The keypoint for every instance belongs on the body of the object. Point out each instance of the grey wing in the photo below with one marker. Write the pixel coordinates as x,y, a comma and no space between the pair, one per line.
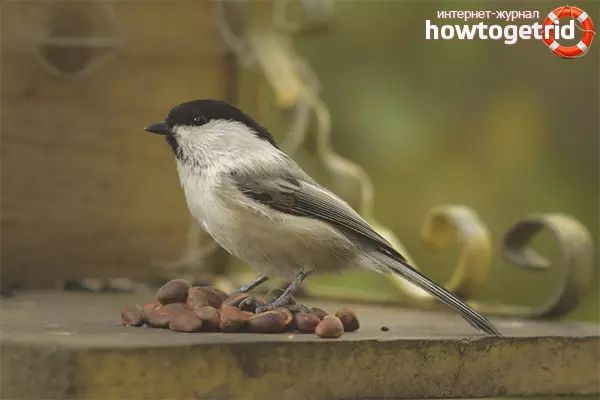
291,195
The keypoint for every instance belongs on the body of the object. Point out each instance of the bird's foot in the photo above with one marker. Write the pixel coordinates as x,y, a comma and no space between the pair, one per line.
276,298
294,308
252,303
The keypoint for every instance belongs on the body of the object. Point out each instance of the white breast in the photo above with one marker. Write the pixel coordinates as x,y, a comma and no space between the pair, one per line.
198,186
209,153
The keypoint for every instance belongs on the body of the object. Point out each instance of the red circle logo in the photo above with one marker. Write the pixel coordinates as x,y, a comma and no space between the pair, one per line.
587,27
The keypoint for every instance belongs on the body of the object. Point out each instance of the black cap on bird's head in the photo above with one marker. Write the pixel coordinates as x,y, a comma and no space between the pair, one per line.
200,112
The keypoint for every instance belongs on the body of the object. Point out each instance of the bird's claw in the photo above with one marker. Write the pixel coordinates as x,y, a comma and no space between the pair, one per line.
299,308
294,308
251,303
262,309
272,300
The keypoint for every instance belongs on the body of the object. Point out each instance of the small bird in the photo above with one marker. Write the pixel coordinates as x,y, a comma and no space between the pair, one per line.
260,206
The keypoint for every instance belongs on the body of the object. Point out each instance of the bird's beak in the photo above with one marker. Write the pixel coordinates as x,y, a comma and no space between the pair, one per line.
160,128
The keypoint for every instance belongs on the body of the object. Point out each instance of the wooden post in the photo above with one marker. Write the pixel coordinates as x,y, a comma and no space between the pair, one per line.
85,191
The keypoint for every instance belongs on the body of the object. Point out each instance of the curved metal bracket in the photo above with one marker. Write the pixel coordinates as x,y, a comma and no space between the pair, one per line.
455,224
575,262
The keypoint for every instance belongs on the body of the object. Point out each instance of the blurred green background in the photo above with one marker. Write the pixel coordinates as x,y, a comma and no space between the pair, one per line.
505,129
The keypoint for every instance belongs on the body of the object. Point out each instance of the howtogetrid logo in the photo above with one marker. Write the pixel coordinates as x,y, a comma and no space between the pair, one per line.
550,32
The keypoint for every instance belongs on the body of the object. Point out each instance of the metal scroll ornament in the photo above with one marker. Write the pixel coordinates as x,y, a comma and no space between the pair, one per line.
575,261
266,45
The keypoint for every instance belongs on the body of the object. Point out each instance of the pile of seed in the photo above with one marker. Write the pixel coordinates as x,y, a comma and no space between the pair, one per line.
181,307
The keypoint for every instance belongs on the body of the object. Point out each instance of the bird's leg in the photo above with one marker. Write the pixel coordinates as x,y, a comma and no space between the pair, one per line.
249,286
285,296
251,302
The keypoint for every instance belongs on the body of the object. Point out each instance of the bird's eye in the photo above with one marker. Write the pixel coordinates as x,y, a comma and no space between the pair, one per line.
199,120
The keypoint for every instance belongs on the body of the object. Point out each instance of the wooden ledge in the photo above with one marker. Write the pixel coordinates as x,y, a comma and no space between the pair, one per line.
70,345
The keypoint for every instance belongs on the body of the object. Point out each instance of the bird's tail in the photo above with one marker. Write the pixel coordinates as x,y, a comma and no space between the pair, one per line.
401,267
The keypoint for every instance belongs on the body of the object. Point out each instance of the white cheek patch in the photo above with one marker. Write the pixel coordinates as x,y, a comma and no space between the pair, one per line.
185,132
